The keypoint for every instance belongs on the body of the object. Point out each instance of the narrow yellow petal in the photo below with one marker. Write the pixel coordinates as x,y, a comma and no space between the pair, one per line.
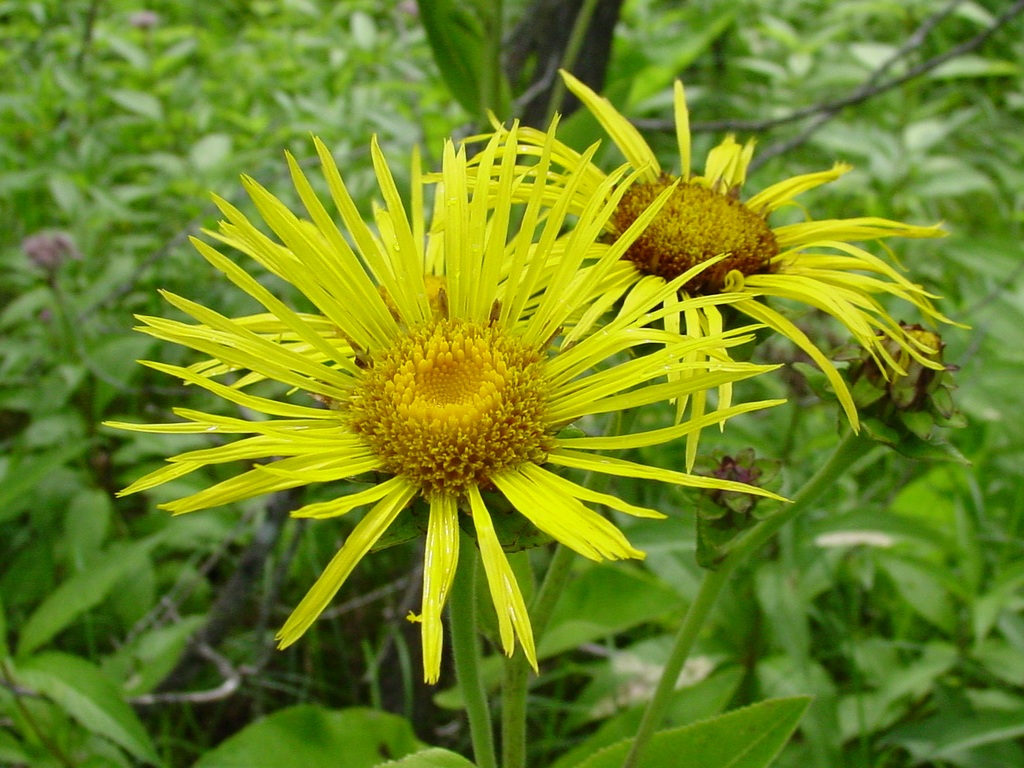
610,465
682,114
359,542
782,192
513,619
626,137
562,516
345,504
440,556
781,325
260,404
665,434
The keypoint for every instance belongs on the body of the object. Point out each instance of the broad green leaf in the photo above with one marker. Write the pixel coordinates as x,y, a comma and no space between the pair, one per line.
81,592
986,608
745,738
464,38
1002,659
85,525
364,31
602,601
314,737
688,705
974,66
431,758
138,102
923,589
89,697
4,650
654,79
148,660
210,151
948,735
19,481
11,751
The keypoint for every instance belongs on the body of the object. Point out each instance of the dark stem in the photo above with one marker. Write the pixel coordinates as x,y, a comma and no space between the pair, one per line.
226,611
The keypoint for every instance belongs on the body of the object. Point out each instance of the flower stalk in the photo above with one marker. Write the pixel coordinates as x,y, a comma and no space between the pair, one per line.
845,455
466,652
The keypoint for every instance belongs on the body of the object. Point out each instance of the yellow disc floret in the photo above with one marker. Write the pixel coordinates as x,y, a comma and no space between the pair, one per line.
696,224
452,403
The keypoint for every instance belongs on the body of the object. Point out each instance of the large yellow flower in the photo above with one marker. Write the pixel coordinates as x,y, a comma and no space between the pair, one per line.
815,262
436,379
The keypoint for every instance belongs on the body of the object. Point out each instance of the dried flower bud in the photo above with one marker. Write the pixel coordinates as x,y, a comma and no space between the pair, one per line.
913,402
50,249
144,20
730,512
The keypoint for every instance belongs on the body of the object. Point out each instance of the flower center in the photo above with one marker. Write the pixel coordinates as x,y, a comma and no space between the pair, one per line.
696,224
452,403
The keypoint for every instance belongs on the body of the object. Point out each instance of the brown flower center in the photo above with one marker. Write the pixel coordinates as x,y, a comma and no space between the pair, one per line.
696,224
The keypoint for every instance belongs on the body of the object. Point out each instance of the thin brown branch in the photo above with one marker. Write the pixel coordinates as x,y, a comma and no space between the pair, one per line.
226,611
871,87
231,681
868,90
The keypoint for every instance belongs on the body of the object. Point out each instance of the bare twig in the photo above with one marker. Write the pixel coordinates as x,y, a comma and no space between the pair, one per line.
225,611
872,86
232,680
87,33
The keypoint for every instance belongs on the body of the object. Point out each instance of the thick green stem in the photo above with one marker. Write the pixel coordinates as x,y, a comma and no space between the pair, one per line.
517,668
848,450
466,650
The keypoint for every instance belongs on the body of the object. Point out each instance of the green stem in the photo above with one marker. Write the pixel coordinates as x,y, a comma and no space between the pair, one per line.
490,84
848,450
517,668
466,650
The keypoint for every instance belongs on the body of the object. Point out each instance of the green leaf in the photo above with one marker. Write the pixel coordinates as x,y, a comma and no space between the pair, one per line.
210,151
364,31
688,705
744,738
464,38
656,78
974,66
947,736
922,588
85,525
314,737
89,697
4,650
432,758
81,592
11,750
138,102
21,479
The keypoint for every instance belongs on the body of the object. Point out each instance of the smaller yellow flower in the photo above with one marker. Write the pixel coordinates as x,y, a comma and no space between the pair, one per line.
730,247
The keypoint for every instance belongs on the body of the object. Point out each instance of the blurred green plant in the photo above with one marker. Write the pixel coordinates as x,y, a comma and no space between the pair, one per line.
895,602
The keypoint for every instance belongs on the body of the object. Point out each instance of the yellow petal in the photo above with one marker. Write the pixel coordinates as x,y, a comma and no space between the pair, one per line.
610,465
682,129
626,137
359,542
440,556
513,619
562,516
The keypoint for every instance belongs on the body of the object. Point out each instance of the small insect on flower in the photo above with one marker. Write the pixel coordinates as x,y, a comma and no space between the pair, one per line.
437,353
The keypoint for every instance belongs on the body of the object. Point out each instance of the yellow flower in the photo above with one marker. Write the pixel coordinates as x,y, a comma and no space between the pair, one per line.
435,376
815,262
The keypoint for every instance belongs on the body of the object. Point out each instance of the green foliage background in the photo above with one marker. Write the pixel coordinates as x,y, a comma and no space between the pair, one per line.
908,631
